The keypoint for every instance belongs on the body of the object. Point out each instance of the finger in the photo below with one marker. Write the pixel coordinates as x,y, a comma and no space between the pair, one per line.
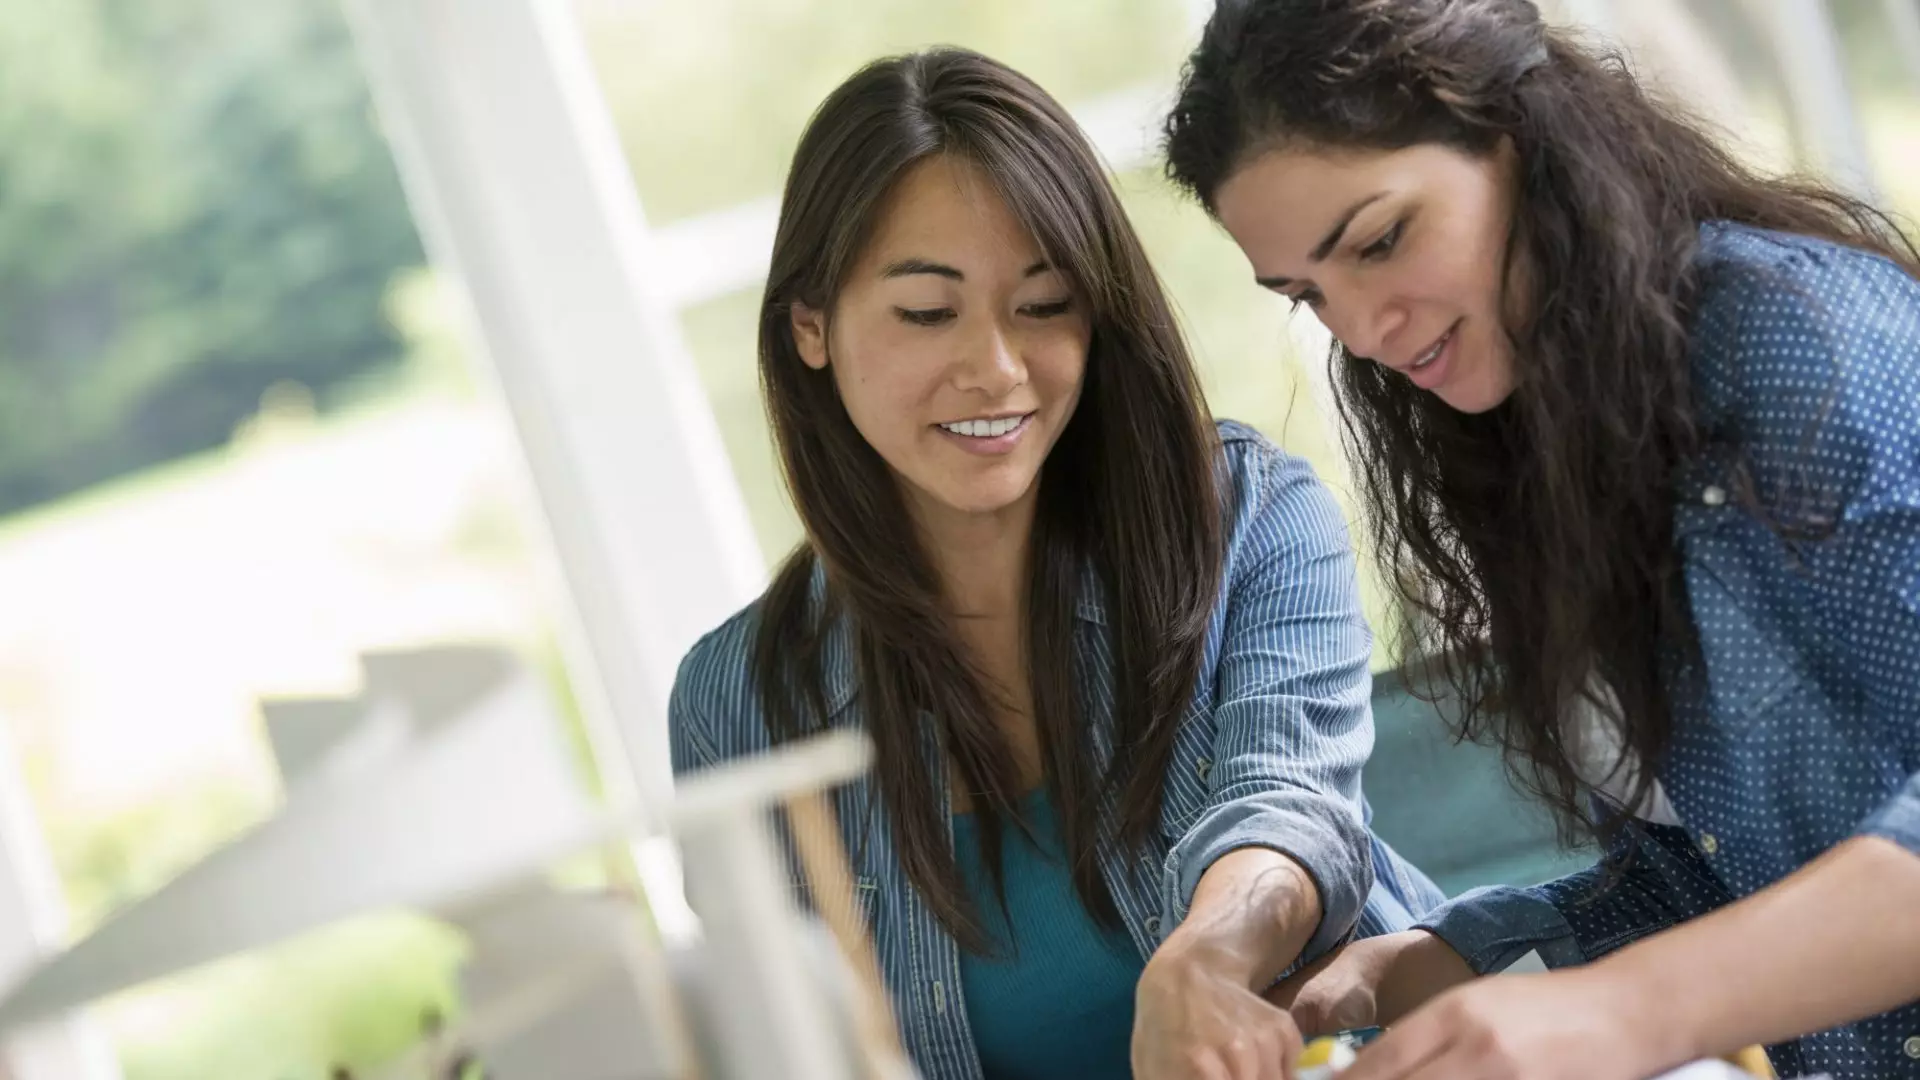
1276,1038
1269,1060
1211,1067
1291,1042
1241,1056
1420,1047
1284,992
1312,1018
1283,1059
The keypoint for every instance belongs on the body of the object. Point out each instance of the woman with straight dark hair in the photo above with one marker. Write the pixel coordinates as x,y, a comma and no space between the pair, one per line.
1110,654
1640,432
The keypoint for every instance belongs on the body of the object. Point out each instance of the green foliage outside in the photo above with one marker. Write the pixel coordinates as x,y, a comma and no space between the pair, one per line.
194,206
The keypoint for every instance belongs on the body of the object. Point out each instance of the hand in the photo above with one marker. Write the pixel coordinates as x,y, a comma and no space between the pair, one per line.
1195,1020
1561,1026
1370,982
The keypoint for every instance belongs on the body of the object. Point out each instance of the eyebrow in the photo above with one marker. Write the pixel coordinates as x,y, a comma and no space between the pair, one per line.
1327,243
909,267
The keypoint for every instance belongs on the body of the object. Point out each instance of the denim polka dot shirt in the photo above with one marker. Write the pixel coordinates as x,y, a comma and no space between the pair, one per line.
1798,725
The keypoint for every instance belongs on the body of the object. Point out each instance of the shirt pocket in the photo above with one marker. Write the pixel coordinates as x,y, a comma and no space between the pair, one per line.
1749,671
1786,756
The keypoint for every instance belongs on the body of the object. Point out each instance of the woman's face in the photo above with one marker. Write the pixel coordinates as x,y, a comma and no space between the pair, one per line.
1400,253
957,349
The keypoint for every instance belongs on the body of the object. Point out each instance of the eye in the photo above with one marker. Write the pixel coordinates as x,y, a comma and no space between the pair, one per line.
1049,310
1384,246
924,316
1306,298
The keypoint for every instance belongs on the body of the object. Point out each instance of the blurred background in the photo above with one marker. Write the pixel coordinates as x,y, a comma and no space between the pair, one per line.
242,439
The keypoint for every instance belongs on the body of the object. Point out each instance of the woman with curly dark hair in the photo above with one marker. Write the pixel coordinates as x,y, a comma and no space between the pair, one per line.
1639,432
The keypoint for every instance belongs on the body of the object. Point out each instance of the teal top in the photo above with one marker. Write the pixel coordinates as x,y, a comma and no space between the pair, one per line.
1055,1000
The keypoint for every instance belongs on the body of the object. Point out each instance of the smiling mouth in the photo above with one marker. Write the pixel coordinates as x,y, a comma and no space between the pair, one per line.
1433,352
985,428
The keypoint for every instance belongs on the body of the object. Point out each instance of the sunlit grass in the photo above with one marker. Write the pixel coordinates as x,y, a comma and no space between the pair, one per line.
354,995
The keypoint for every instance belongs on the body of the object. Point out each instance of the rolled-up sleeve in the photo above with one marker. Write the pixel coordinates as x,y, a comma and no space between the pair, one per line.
1898,819
1291,711
1652,880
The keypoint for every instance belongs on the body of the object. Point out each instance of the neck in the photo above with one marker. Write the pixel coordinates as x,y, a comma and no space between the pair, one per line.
981,558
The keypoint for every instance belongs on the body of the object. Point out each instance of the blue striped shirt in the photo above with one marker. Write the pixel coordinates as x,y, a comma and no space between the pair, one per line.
1268,755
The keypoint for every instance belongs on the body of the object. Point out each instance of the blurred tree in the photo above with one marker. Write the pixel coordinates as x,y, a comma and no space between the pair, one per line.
194,205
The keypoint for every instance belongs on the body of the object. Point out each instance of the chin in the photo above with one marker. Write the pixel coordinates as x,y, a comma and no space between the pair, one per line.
1471,403
990,497
1476,395
984,504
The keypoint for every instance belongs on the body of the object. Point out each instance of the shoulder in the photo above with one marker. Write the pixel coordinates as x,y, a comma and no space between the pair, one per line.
714,712
1806,355
1777,313
1274,501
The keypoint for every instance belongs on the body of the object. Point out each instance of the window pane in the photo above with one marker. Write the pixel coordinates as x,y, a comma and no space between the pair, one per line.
710,97
238,447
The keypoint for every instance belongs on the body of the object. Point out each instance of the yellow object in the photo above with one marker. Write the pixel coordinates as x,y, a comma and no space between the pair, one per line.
1318,1052
1324,1057
1754,1060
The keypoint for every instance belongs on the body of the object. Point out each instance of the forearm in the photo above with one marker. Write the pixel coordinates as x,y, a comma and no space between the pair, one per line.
1423,969
1253,912
1836,942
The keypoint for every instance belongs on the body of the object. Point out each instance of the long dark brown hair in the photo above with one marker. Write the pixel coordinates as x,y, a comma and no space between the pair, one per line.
1128,490
1533,544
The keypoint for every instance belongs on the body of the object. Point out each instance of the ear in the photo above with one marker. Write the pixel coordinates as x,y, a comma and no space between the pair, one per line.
809,334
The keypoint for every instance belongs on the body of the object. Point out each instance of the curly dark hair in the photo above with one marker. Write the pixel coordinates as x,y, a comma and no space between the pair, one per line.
1533,544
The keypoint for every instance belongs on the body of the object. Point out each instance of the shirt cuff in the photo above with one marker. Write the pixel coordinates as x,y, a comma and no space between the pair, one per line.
1493,927
1898,819
1335,853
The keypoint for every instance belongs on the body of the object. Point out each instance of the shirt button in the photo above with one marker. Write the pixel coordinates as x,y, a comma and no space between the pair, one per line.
939,998
1714,495
1153,927
1912,1047
1203,769
1708,844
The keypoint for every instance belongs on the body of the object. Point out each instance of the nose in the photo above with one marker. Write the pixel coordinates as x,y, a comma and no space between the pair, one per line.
991,365
1365,325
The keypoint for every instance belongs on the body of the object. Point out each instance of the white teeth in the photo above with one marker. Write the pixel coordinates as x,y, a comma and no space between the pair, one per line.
984,429
1433,353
